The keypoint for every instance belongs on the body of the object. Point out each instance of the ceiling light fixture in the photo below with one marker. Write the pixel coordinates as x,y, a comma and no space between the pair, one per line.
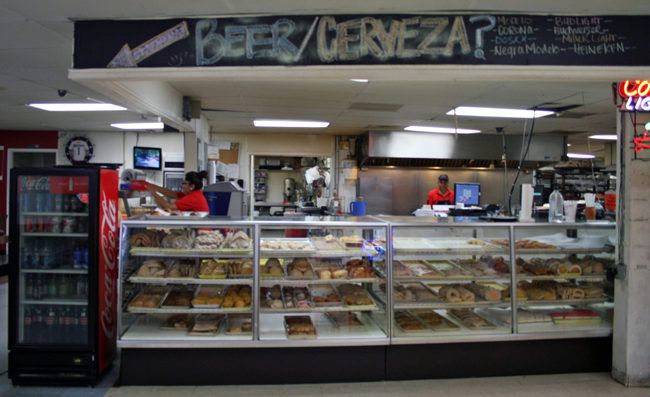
276,123
604,137
440,130
499,112
146,125
580,156
359,80
77,107
568,145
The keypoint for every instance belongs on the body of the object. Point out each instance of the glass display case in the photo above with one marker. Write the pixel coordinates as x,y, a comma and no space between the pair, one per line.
455,280
207,282
360,281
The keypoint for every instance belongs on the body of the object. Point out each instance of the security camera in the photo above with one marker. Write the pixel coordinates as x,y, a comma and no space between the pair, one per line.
62,93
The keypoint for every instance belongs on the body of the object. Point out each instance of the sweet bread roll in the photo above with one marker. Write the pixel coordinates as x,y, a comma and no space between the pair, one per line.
450,294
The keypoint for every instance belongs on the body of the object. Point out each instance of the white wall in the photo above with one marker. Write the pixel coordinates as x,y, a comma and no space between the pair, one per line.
117,147
289,145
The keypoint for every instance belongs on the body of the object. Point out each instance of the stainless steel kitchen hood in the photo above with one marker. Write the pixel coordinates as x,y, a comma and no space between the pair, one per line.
415,149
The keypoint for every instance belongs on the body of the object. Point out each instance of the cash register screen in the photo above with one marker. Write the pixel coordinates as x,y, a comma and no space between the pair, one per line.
467,193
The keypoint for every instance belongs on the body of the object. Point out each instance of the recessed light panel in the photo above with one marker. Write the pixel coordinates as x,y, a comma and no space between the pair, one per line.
77,107
498,112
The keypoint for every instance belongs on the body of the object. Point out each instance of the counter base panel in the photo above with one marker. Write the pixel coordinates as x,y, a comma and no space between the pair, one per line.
481,359
187,366
252,366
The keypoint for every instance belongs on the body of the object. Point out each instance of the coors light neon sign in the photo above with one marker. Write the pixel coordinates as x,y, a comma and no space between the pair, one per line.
636,95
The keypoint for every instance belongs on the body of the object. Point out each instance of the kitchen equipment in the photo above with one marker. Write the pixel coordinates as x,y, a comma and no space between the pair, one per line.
358,208
289,190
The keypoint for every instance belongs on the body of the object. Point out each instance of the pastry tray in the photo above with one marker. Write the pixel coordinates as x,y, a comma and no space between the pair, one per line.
212,333
166,327
299,336
172,290
445,326
214,277
444,266
237,320
424,328
270,277
188,253
314,291
309,247
221,292
490,325
148,290
306,278
332,317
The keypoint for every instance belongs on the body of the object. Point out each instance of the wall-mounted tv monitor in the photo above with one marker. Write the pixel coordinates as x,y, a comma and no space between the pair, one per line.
147,158
467,193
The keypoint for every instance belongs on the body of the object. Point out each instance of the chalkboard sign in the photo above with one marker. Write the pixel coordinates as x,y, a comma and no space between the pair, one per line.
364,40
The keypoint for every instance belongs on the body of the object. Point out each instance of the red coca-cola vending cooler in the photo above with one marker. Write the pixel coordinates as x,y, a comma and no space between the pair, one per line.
63,254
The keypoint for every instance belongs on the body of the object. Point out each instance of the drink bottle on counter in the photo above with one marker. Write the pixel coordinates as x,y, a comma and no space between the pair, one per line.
556,207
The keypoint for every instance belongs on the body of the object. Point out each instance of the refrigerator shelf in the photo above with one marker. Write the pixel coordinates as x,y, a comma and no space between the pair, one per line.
70,302
54,214
55,271
54,234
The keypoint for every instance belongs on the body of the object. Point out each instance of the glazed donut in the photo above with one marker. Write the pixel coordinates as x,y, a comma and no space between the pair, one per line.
450,294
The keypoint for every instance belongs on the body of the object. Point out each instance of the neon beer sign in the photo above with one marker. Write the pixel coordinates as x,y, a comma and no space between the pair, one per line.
643,142
636,94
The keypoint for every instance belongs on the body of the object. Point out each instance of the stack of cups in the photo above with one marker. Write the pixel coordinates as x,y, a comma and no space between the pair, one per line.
570,209
590,206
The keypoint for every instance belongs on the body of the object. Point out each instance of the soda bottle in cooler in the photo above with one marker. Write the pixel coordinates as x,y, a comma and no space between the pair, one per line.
60,317
50,328
26,255
85,257
37,324
37,292
52,287
27,324
83,325
29,286
68,332
65,203
64,286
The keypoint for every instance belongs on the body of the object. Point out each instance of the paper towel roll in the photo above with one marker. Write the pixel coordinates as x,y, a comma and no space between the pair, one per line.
526,213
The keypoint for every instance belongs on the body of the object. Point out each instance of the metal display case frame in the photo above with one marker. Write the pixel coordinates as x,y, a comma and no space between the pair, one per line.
390,225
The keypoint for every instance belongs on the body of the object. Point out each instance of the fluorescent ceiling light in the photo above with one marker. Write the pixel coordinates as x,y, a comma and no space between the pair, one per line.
580,156
604,137
290,123
498,112
568,145
77,107
359,80
440,130
147,125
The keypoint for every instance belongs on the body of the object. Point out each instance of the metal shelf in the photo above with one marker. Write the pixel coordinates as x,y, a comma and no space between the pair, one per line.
562,302
191,253
54,234
443,305
189,280
289,282
55,271
592,278
187,310
54,214
48,301
320,309
454,280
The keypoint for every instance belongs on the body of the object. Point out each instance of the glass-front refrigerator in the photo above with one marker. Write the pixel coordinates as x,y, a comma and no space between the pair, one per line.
62,273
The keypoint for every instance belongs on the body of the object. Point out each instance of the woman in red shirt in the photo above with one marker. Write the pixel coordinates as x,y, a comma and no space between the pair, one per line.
191,197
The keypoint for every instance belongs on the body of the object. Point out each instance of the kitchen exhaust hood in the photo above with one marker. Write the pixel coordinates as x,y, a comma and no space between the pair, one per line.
415,149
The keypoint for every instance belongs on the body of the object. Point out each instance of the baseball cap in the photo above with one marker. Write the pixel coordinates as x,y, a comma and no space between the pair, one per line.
443,178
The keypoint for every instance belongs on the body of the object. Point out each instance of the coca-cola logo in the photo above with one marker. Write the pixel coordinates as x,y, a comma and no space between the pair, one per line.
108,244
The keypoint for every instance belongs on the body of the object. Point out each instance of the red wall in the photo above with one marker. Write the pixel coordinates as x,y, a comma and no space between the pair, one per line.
20,139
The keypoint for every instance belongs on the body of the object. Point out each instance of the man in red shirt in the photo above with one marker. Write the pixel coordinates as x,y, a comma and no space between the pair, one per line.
441,195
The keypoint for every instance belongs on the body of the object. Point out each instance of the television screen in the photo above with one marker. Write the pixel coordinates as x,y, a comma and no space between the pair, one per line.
147,158
467,193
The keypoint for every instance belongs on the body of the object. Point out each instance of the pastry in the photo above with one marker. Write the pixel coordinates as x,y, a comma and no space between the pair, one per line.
208,295
300,268
211,268
324,295
178,321
179,298
421,269
570,292
237,296
354,295
180,269
206,324
400,270
151,268
236,240
148,298
521,294
178,239
352,241
299,326
406,322
208,240
344,319
470,319
240,268
484,292
358,268
272,268
450,294
146,238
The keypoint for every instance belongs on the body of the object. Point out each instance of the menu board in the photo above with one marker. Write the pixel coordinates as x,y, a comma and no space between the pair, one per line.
483,39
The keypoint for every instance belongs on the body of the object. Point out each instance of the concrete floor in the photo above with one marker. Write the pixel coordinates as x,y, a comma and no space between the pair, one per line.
568,385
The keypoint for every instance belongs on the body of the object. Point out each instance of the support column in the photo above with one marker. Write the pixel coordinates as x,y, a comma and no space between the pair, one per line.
631,350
